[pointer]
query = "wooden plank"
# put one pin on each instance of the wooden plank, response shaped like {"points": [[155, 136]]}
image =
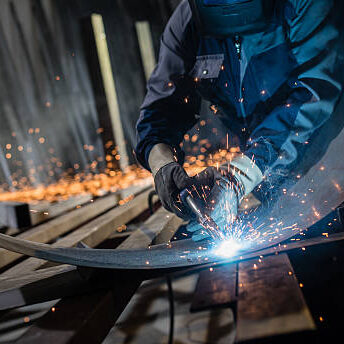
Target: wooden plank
{"points": [[46, 232], [30, 277], [270, 301], [88, 319], [45, 285], [216, 287], [15, 214], [93, 233], [43, 211], [159, 228], [105, 224]]}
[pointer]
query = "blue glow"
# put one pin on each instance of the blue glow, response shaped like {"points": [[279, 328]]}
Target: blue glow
{"points": [[228, 248]]}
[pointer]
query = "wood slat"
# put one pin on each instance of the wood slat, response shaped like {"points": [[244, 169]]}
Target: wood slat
{"points": [[46, 232], [88, 319], [15, 214], [45, 285], [44, 211], [10, 284], [91, 234], [216, 287], [51, 230], [270, 301]]}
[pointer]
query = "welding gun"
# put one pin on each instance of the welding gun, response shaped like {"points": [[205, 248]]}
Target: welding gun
{"points": [[196, 206]]}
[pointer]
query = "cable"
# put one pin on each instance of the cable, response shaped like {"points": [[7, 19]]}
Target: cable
{"points": [[150, 201], [168, 278], [171, 302]]}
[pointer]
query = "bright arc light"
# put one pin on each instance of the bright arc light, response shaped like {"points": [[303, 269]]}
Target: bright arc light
{"points": [[228, 248]]}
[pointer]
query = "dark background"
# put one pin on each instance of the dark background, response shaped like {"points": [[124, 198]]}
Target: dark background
{"points": [[52, 100]]}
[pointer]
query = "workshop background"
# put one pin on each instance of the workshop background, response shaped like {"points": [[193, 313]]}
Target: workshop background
{"points": [[52, 86], [72, 79]]}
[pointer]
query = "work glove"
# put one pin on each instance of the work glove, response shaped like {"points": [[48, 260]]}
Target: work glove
{"points": [[170, 180], [228, 184]]}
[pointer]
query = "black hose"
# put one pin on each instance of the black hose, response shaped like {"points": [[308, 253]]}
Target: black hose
{"points": [[150, 201], [168, 278], [171, 302]]}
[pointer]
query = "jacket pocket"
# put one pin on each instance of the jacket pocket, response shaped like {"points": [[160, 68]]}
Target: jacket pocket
{"points": [[207, 66]]}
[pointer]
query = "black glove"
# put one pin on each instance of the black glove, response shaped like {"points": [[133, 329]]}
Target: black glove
{"points": [[170, 181]]}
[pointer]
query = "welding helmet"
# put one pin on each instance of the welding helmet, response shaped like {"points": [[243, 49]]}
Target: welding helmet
{"points": [[222, 18]]}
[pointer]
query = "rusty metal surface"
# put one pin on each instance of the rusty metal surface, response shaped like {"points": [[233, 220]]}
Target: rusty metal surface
{"points": [[216, 287]]}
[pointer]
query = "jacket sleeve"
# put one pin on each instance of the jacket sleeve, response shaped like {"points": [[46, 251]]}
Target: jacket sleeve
{"points": [[171, 103], [315, 42]]}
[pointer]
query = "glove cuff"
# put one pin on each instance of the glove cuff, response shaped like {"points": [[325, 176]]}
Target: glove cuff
{"points": [[245, 172], [160, 156]]}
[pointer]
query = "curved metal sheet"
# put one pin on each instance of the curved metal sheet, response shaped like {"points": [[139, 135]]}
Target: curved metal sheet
{"points": [[317, 191], [177, 254]]}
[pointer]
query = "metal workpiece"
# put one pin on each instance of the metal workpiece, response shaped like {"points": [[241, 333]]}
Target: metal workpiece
{"points": [[177, 254], [313, 195], [174, 254]]}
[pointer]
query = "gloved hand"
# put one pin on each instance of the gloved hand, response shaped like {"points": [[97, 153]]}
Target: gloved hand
{"points": [[170, 179], [228, 185]]}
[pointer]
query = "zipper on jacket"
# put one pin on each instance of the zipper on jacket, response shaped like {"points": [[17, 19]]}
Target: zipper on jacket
{"points": [[238, 48], [237, 44]]}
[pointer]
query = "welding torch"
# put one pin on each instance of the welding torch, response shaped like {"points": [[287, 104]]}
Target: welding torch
{"points": [[196, 206]]}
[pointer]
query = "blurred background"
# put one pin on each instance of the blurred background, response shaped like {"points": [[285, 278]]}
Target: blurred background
{"points": [[73, 77]]}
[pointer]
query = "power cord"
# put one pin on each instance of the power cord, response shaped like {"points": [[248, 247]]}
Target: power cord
{"points": [[171, 302], [150, 201], [168, 278]]}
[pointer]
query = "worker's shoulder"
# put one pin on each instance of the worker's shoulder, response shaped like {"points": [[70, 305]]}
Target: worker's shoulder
{"points": [[312, 7], [181, 17]]}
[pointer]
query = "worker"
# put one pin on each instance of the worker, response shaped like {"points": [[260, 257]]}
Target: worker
{"points": [[274, 71]]}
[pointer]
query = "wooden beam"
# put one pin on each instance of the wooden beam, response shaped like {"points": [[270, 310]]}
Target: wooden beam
{"points": [[46, 232], [93, 233], [43, 211], [216, 287], [10, 284], [45, 285], [270, 301], [15, 214], [88, 319]]}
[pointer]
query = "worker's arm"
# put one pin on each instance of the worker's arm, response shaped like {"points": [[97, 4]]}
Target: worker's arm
{"points": [[316, 44], [276, 144], [169, 111], [171, 103]]}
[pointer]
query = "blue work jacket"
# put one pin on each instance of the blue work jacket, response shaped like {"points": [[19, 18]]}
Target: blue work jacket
{"points": [[275, 92]]}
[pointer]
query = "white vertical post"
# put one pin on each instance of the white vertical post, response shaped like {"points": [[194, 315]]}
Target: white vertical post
{"points": [[144, 36], [110, 88]]}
